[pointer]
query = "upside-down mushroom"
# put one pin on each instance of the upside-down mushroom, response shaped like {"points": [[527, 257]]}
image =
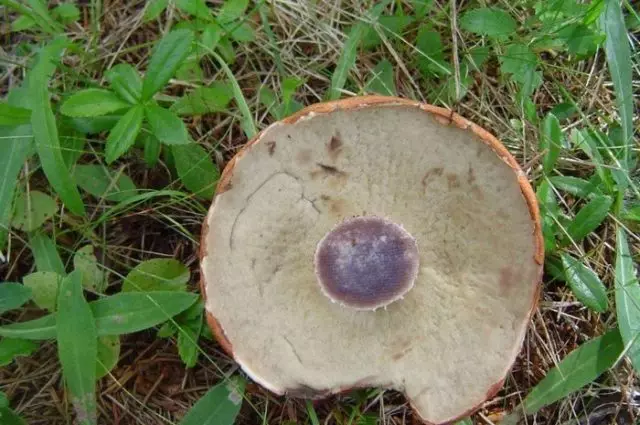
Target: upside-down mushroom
{"points": [[374, 242]]}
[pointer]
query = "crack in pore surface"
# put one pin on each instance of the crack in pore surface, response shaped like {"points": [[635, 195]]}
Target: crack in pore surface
{"points": [[256, 190], [293, 349]]}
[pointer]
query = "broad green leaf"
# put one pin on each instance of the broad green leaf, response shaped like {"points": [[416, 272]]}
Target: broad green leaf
{"points": [[13, 295], [114, 315], [289, 87], [93, 102], [45, 132], [589, 144], [204, 100], [618, 53], [43, 17], [430, 53], [152, 149], [153, 9], [99, 181], [549, 210], [32, 210], [382, 80], [519, 61], [129, 312], [166, 126], [108, 354], [66, 13], [45, 254], [124, 133], [72, 144], [219, 406], [17, 146], [44, 287], [421, 7], [579, 368], [167, 56], [190, 70], [575, 186], [585, 284], [37, 329], [188, 335], [10, 348], [564, 111], [125, 80], [465, 421], [232, 10], [85, 261], [14, 115], [580, 39], [211, 35], [589, 217], [593, 12], [77, 347], [158, 274], [627, 291], [550, 142], [488, 21], [631, 213], [196, 169], [22, 23], [242, 33], [94, 125]]}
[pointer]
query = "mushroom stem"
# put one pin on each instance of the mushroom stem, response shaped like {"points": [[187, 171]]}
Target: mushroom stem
{"points": [[366, 263]]}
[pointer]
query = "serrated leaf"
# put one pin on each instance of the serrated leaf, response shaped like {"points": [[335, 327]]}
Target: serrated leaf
{"points": [[219, 406], [45, 254], [14, 115], [77, 347], [167, 56], [585, 284], [196, 169], [382, 80], [124, 133], [158, 274], [44, 288], [167, 126], [13, 295], [108, 354], [519, 61], [589, 217], [125, 81], [204, 100], [627, 291], [114, 315], [488, 21], [153, 9], [32, 210], [550, 142], [618, 54], [85, 261], [93, 102], [579, 368], [197, 8], [45, 132], [99, 181], [11, 348], [17, 147]]}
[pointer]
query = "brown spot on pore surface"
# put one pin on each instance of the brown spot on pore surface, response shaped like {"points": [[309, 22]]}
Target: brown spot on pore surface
{"points": [[433, 172], [271, 146], [334, 147], [471, 177], [337, 206], [327, 170], [453, 181], [304, 156]]}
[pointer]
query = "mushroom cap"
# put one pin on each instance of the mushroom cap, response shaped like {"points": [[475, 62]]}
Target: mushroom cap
{"points": [[449, 343]]}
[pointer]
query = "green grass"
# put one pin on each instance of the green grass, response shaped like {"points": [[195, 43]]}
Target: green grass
{"points": [[115, 122]]}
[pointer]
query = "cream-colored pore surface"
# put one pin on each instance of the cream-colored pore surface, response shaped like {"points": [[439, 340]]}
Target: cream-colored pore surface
{"points": [[452, 337]]}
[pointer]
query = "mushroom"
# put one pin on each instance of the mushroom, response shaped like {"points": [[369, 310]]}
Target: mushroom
{"points": [[374, 242]]}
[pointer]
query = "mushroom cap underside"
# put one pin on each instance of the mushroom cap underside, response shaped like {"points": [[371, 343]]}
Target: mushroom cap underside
{"points": [[450, 341]]}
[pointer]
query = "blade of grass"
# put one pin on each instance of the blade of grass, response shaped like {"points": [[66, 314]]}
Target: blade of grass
{"points": [[627, 291], [77, 347], [45, 254], [219, 406], [17, 146]]}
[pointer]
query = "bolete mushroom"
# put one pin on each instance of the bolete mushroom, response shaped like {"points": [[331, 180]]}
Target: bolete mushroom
{"points": [[374, 242]]}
